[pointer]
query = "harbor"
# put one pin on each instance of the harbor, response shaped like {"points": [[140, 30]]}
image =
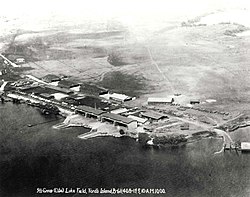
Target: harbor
{"points": [[120, 155], [124, 97]]}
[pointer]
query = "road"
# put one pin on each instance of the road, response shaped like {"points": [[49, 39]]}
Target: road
{"points": [[160, 71], [226, 137], [168, 125], [199, 124], [3, 85], [36, 79], [232, 119], [10, 62], [220, 132]]}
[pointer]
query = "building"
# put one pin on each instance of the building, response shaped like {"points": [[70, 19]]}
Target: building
{"points": [[184, 126], [74, 99], [116, 97], [59, 89], [119, 111], [119, 120], [160, 100], [120, 97], [103, 91], [153, 116], [90, 112], [28, 87], [3, 72], [20, 60], [245, 147], [138, 119], [47, 96], [51, 78], [194, 101], [59, 96]]}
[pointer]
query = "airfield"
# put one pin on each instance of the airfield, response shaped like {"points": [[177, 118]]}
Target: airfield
{"points": [[197, 61], [191, 60]]}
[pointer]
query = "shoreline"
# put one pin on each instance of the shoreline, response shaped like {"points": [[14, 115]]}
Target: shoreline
{"points": [[114, 132]]}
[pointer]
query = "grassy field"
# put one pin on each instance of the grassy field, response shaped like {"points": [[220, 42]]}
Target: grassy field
{"points": [[202, 62]]}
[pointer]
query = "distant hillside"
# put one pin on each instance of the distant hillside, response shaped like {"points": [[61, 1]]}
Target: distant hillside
{"points": [[221, 16]]}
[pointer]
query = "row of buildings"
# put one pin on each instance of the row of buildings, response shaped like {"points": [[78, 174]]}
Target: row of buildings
{"points": [[54, 89], [129, 122], [167, 100], [72, 86]]}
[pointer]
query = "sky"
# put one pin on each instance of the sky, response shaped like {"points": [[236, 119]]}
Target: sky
{"points": [[114, 8], [35, 14]]}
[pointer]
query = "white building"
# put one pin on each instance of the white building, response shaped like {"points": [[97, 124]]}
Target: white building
{"points": [[116, 97], [245, 146], [160, 100], [138, 119]]}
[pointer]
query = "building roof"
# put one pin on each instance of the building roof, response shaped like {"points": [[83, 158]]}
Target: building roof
{"points": [[28, 87], [51, 78], [46, 95], [161, 99], [245, 146], [119, 111], [122, 97], [153, 115], [59, 96], [90, 110], [59, 89], [118, 118], [77, 96], [138, 119]]}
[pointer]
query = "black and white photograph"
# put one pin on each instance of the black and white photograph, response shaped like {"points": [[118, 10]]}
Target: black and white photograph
{"points": [[125, 98]]}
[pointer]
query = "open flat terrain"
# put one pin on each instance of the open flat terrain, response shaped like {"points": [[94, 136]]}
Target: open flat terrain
{"points": [[198, 61]]}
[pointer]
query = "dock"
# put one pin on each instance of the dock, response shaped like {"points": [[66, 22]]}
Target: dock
{"points": [[230, 146], [243, 147]]}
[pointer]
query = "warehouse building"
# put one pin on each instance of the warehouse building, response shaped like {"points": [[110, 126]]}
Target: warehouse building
{"points": [[47, 96], [51, 78], [160, 100], [138, 119], [245, 147], [74, 99], [153, 116], [59, 89], [119, 120], [89, 112], [119, 111], [194, 101], [121, 98]]}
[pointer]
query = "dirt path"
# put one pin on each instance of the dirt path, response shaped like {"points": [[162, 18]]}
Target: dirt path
{"points": [[226, 139], [232, 119], [153, 62], [3, 85]]}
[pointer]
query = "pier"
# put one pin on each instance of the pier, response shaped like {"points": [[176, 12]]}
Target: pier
{"points": [[230, 146], [244, 147]]}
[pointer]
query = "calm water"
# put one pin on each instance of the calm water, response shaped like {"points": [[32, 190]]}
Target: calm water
{"points": [[41, 156]]}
